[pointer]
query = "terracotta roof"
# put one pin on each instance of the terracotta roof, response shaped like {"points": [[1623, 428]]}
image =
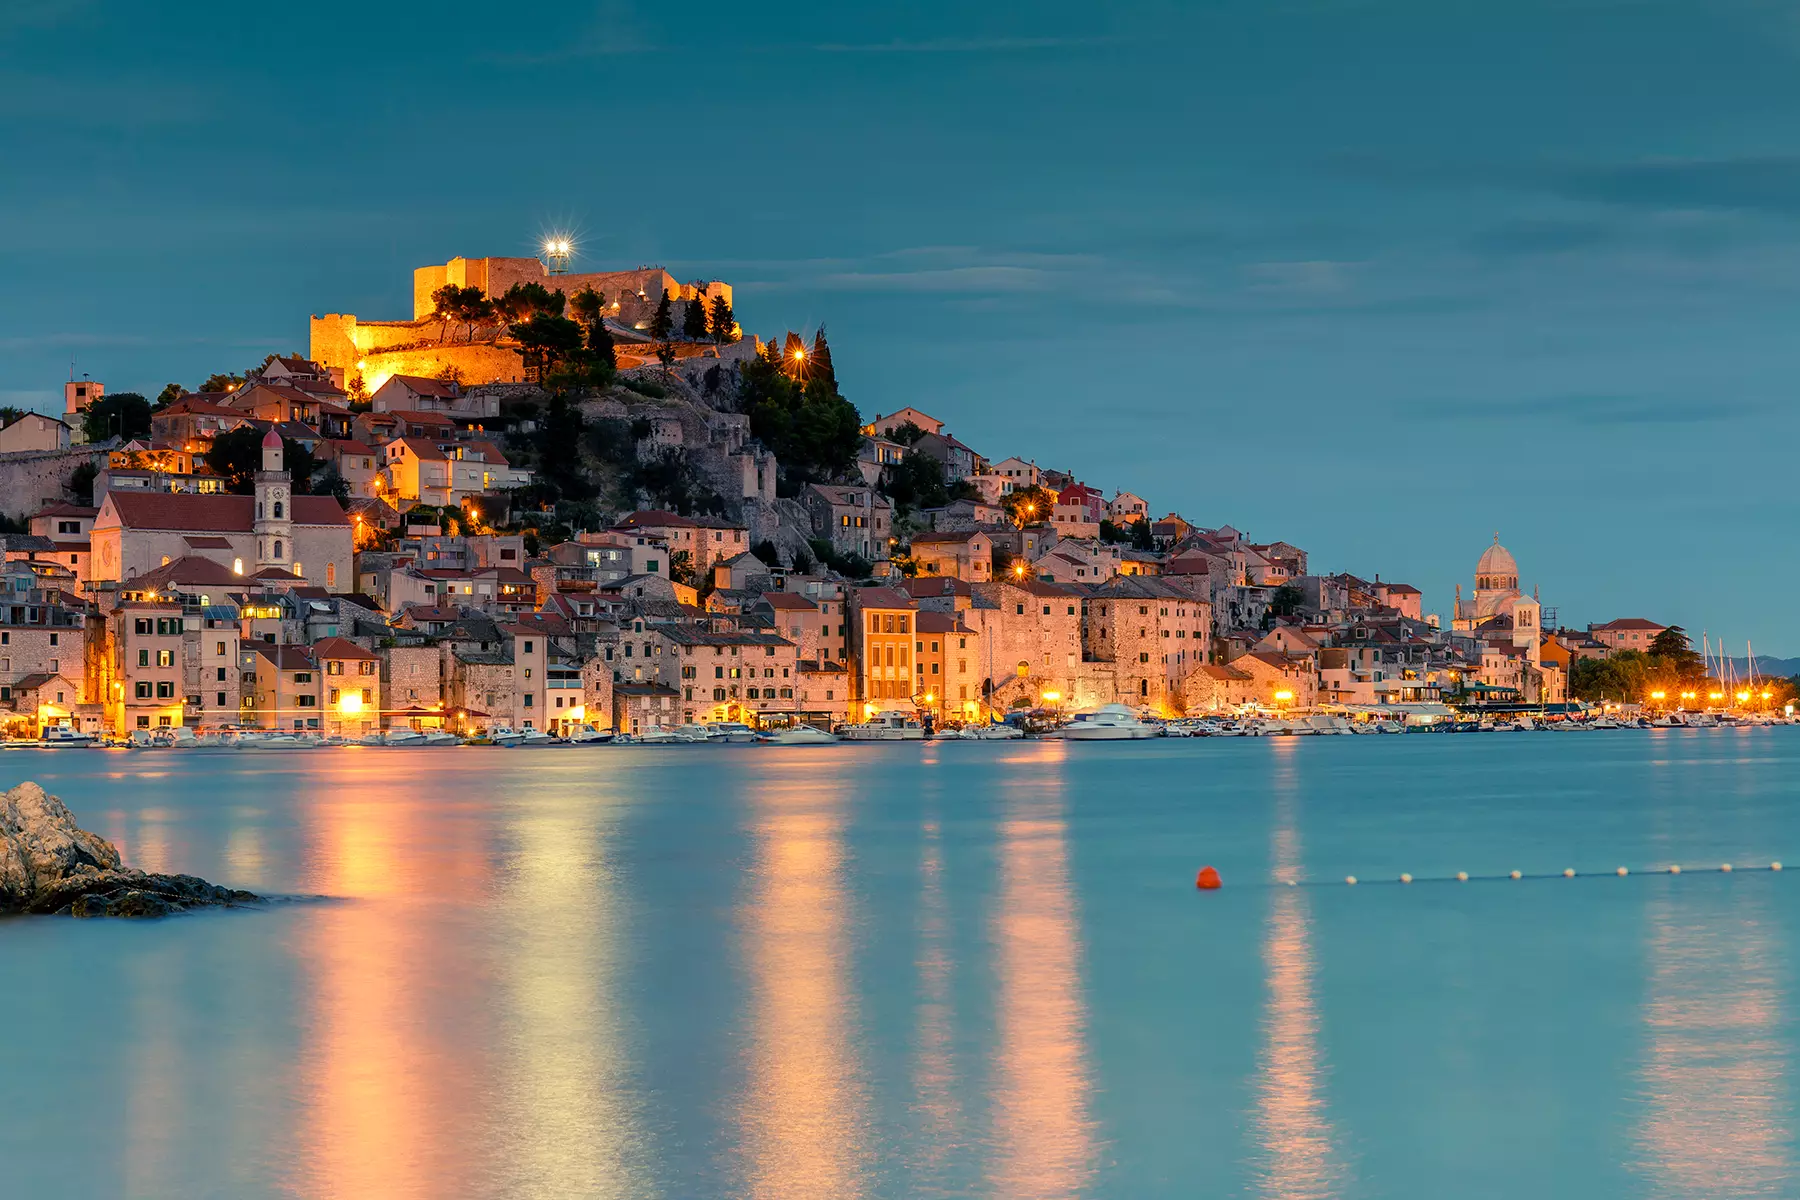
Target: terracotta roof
{"points": [[337, 647], [929, 621], [189, 512], [1230, 674], [422, 386], [285, 658], [1630, 623], [788, 601], [947, 537], [654, 518], [188, 569], [64, 510], [272, 573], [882, 597], [207, 542], [347, 446]]}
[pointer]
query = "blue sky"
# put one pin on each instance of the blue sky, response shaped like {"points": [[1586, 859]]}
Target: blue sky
{"points": [[1377, 278]]}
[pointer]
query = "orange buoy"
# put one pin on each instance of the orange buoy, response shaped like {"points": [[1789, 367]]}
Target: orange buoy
{"points": [[1207, 879]]}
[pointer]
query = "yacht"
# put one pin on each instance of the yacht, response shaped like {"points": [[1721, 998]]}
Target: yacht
{"points": [[587, 735], [505, 735], [62, 737], [537, 737], [1108, 723], [656, 735], [995, 732], [692, 732], [801, 735], [894, 725], [403, 737], [441, 737], [273, 740], [731, 731]]}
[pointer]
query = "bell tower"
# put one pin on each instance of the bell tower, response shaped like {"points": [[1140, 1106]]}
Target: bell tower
{"points": [[274, 508]]}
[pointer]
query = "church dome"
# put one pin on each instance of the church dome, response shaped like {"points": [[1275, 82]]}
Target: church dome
{"points": [[1496, 572], [1496, 560]]}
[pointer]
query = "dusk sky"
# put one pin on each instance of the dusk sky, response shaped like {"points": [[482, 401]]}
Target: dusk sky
{"points": [[1375, 278]]}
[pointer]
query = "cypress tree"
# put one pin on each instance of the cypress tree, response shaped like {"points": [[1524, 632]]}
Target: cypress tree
{"points": [[722, 321], [663, 323], [693, 320]]}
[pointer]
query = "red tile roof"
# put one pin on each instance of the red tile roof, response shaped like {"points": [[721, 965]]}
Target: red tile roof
{"points": [[191, 513], [337, 647]]}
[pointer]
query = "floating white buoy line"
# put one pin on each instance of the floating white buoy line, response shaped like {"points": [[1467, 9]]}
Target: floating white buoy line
{"points": [[1567, 873]]}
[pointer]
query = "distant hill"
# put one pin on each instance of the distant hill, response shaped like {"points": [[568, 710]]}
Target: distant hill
{"points": [[1785, 668]]}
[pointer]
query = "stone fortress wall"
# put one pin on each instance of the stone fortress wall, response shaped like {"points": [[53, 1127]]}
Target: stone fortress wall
{"points": [[375, 351]]}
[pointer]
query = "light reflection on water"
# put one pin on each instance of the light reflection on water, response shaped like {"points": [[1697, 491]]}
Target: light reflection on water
{"points": [[1043, 1133], [900, 947], [1300, 1158], [1719, 1117], [803, 1118]]}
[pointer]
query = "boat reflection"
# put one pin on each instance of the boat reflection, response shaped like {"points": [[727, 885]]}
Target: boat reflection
{"points": [[1715, 1072], [1043, 1130], [803, 1119], [1298, 1155]]}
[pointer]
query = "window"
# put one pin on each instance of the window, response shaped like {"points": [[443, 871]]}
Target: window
{"points": [[221, 700], [530, 700], [165, 690], [53, 638], [143, 658], [1024, 668], [165, 658], [141, 690], [277, 549], [303, 677], [278, 517]]}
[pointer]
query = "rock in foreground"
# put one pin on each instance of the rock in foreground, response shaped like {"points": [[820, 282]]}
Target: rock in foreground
{"points": [[48, 864]]}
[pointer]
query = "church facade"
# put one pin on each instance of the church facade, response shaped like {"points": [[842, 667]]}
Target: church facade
{"points": [[1499, 611], [272, 530]]}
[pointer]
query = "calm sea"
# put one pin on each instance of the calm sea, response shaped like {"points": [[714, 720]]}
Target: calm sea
{"points": [[917, 971]]}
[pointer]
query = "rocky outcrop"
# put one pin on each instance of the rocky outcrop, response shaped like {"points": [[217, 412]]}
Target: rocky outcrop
{"points": [[48, 864]]}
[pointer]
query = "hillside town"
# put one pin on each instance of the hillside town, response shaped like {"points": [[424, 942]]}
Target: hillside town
{"points": [[554, 503]]}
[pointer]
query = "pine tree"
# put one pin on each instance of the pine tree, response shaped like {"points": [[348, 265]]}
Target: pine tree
{"points": [[601, 344], [821, 361], [723, 322], [663, 323], [693, 320], [793, 356]]}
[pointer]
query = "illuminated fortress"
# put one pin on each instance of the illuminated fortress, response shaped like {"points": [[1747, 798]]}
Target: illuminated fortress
{"points": [[370, 352]]}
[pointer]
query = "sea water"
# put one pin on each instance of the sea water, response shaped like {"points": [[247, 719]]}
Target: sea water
{"points": [[970, 969]]}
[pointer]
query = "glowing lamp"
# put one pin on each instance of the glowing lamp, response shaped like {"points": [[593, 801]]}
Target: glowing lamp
{"points": [[349, 703], [1052, 697], [1743, 696], [578, 713], [1284, 696], [1657, 695]]}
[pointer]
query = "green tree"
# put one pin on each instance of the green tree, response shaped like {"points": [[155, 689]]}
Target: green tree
{"points": [[120, 414], [693, 318], [1673, 647], [915, 482], [600, 345], [1028, 506], [812, 430], [559, 440], [723, 323], [546, 342], [1140, 535], [907, 433], [81, 484], [819, 361], [170, 394], [588, 307], [236, 457], [665, 354], [523, 301], [662, 324], [221, 383], [1112, 533]]}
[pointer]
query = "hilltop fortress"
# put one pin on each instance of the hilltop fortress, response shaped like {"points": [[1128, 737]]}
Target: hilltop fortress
{"points": [[368, 353]]}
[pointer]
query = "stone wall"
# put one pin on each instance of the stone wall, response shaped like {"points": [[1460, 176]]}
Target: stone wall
{"points": [[32, 479]]}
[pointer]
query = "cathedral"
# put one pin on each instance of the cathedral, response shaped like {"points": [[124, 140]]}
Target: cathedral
{"points": [[1499, 611]]}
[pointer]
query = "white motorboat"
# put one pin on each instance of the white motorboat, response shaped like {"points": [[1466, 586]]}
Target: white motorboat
{"points": [[1108, 723], [272, 741], [692, 732], [440, 737], [62, 737], [656, 735], [587, 735], [537, 737], [505, 735], [403, 737], [801, 735], [894, 725], [731, 731], [995, 732]]}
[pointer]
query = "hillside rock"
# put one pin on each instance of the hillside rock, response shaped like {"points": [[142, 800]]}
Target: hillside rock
{"points": [[49, 864]]}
